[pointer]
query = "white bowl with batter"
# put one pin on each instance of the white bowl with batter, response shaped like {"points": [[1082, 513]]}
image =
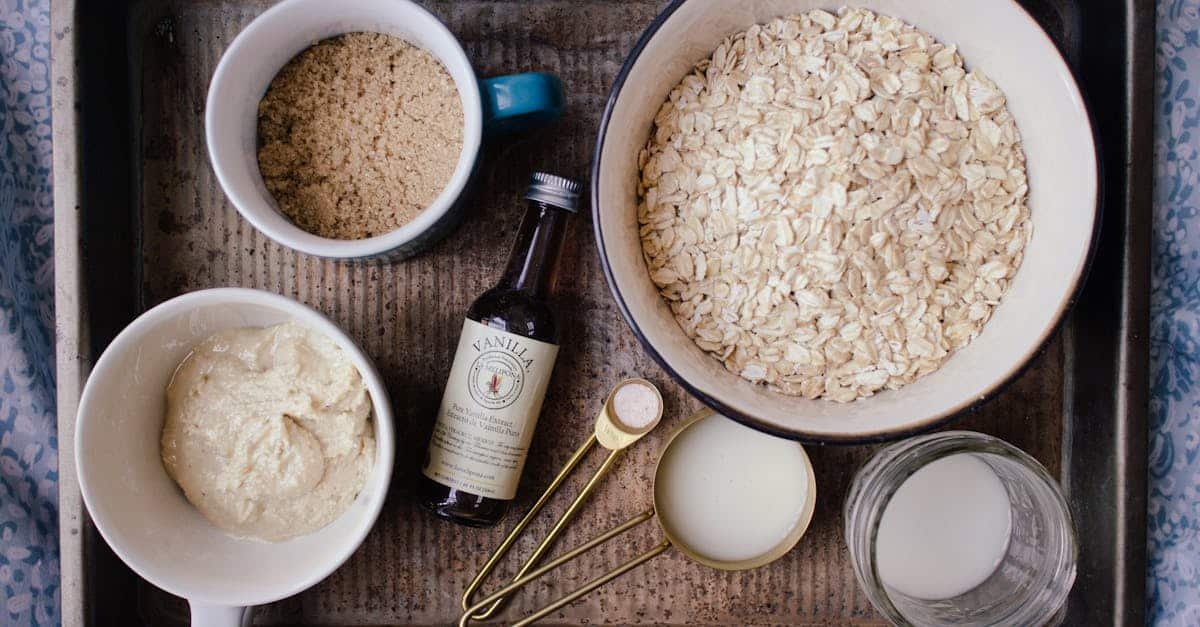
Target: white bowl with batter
{"points": [[142, 513]]}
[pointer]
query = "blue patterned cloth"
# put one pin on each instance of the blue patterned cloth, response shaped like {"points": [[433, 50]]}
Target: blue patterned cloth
{"points": [[1173, 579], [28, 444]]}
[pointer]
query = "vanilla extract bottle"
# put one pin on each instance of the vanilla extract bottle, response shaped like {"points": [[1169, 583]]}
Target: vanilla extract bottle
{"points": [[501, 369]]}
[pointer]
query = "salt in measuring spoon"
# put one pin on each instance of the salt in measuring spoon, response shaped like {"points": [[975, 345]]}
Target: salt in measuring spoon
{"points": [[720, 521], [633, 408]]}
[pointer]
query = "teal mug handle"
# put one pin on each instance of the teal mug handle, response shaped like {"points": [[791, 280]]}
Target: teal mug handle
{"points": [[520, 102]]}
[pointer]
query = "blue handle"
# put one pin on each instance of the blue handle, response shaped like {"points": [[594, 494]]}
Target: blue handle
{"points": [[520, 102]]}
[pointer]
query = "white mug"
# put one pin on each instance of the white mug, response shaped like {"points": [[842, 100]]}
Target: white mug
{"points": [[142, 513], [500, 104]]}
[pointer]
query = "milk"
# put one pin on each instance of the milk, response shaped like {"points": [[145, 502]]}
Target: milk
{"points": [[637, 405], [945, 530], [729, 492]]}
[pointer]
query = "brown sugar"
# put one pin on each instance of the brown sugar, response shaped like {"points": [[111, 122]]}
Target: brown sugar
{"points": [[357, 134]]}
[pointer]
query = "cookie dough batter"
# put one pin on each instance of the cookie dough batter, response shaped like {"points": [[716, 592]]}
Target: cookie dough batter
{"points": [[268, 431]]}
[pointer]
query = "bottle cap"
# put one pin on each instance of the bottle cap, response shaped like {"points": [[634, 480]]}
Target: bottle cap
{"points": [[554, 190]]}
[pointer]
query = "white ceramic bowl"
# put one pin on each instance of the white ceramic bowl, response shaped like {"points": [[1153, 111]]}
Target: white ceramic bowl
{"points": [[996, 35], [257, 55], [142, 513]]}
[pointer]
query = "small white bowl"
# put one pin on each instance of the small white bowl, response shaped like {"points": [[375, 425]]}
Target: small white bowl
{"points": [[997, 36], [256, 56], [142, 513], [490, 106]]}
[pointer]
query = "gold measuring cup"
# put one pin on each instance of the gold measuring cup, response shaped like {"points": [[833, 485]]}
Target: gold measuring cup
{"points": [[669, 525]]}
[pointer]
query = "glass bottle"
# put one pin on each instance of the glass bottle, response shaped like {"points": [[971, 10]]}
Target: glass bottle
{"points": [[501, 368]]}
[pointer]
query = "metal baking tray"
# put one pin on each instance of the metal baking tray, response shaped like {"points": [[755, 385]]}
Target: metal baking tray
{"points": [[139, 218]]}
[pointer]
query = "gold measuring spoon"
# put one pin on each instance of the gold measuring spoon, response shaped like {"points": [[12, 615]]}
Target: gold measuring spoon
{"points": [[725, 496], [633, 408]]}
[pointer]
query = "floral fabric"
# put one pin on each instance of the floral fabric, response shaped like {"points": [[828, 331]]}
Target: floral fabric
{"points": [[28, 447], [1173, 577]]}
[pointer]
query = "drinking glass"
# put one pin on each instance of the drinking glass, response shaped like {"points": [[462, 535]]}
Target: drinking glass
{"points": [[1028, 587]]}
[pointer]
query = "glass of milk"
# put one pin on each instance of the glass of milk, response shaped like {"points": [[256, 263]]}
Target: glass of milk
{"points": [[960, 528]]}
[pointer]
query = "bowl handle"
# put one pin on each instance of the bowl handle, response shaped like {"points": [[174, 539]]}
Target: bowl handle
{"points": [[520, 102], [204, 615]]}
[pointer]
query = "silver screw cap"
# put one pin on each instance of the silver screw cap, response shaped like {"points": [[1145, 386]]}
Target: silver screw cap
{"points": [[554, 190]]}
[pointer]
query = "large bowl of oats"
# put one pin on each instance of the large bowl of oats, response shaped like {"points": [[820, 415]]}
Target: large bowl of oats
{"points": [[845, 225]]}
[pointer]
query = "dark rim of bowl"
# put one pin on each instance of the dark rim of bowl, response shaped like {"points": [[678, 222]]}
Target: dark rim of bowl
{"points": [[930, 424]]}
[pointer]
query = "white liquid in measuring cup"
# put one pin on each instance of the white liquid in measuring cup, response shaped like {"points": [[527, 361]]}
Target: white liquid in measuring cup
{"points": [[637, 405], [729, 492], [945, 530]]}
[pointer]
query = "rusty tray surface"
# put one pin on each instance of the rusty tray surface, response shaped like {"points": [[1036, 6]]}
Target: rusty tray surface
{"points": [[140, 218]]}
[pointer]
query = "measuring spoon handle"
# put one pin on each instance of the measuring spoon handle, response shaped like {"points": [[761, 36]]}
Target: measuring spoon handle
{"points": [[502, 550], [520, 582], [596, 583]]}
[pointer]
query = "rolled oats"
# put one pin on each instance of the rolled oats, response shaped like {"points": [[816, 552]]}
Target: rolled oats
{"points": [[832, 204]]}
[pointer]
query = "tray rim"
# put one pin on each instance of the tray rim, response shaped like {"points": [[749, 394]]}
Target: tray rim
{"points": [[71, 340]]}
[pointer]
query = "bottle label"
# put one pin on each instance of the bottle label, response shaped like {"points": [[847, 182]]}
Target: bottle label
{"points": [[489, 410]]}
